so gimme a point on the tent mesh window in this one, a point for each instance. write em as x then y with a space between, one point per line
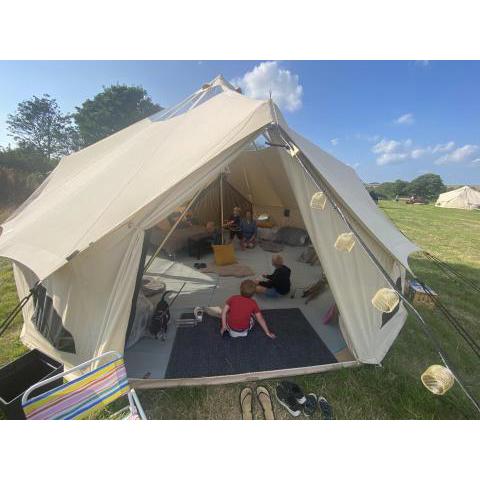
188 104
385 300
438 379
345 242
318 201
49 323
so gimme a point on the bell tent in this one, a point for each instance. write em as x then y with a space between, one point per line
465 197
83 239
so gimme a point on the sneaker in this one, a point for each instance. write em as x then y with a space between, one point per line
310 405
294 390
287 399
326 408
198 313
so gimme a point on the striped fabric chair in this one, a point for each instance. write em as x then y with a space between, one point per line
84 395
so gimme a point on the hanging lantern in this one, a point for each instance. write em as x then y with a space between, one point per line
438 379
345 242
385 300
318 201
293 150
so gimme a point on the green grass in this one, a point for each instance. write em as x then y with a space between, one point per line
392 391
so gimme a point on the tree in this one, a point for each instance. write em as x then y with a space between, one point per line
400 188
429 185
39 124
117 107
22 170
25 159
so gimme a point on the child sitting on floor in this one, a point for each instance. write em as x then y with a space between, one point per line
240 312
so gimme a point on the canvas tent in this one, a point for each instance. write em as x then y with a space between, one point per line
465 197
81 234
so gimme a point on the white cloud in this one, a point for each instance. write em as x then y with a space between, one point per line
268 76
406 119
476 162
398 151
335 141
458 155
392 151
445 147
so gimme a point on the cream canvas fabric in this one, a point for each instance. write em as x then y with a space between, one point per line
465 197
81 234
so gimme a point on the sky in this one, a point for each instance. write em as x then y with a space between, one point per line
386 119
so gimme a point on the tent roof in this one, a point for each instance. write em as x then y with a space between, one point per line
464 191
104 186
101 187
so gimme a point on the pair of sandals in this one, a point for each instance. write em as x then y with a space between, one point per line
263 397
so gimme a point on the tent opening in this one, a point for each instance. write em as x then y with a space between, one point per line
305 320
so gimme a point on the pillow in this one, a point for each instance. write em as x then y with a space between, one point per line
295 237
224 254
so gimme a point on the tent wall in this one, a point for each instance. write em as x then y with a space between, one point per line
207 207
352 276
92 294
260 177
465 198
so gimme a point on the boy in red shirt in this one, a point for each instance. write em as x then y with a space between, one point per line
241 311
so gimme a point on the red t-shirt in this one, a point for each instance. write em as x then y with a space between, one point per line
241 310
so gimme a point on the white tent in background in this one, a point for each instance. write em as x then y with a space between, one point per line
465 197
81 234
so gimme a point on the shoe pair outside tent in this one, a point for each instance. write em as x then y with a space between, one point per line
292 397
263 397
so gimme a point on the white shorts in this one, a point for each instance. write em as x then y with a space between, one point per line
243 333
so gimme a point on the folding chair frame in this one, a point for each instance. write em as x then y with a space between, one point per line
134 402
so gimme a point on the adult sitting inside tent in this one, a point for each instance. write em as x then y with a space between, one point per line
248 226
278 283
214 235
234 225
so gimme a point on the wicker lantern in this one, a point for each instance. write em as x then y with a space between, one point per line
385 300
345 242
438 379
318 201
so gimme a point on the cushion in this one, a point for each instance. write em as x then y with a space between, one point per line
292 236
224 254
265 224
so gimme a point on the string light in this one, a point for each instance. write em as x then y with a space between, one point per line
385 300
438 379
318 201
345 242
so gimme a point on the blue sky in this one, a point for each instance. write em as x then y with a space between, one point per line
387 119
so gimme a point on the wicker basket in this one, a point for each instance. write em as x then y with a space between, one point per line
345 242
385 300
438 379
318 201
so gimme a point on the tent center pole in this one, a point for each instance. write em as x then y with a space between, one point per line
221 205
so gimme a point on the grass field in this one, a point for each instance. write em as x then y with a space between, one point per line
392 391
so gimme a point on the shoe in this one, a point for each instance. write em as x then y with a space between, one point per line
294 390
198 313
310 405
326 408
287 399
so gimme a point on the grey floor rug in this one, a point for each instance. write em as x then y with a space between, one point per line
201 352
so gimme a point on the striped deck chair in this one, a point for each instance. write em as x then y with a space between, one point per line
84 395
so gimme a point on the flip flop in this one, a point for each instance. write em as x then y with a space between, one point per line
246 403
266 403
